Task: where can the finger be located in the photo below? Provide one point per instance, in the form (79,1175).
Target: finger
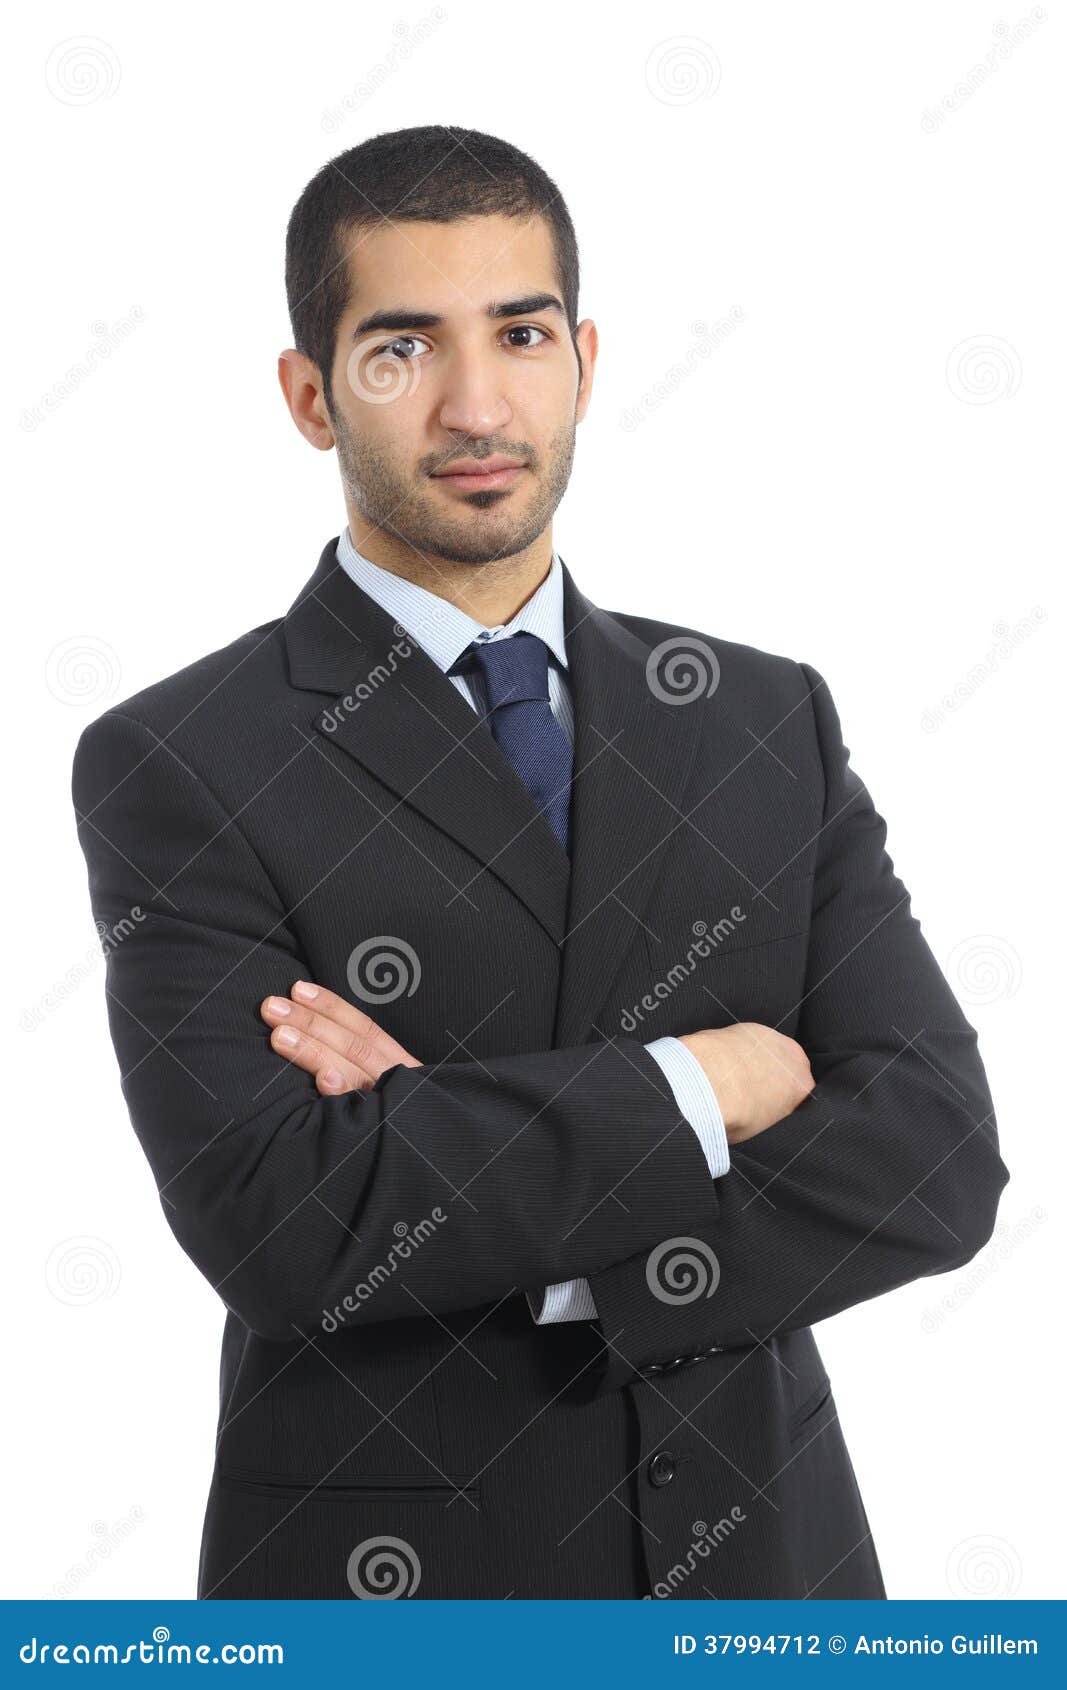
(333,1074)
(353,1020)
(370,1058)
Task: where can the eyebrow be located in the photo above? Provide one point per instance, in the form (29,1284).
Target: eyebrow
(399,317)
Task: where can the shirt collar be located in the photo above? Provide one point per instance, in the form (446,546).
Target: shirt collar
(441,628)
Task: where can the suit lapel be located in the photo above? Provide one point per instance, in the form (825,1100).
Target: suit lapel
(393,711)
(632,752)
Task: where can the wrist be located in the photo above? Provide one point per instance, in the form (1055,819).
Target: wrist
(725,1080)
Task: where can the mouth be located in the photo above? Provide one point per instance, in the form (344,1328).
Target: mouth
(466,475)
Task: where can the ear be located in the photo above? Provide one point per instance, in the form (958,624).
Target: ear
(301,383)
(586,338)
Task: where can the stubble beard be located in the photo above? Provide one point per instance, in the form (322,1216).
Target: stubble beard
(480,532)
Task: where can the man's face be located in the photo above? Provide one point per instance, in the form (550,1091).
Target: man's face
(450,352)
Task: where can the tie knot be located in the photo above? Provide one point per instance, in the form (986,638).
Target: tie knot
(515,669)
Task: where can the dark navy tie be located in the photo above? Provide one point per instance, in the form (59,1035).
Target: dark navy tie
(515,672)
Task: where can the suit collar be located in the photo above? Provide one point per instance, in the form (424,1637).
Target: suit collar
(322,638)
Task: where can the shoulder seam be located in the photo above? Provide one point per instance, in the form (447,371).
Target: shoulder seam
(231,821)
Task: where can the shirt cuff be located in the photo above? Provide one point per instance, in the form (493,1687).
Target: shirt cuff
(572,1299)
(696,1100)
(695,1097)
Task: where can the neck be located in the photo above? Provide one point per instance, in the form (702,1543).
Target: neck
(490,592)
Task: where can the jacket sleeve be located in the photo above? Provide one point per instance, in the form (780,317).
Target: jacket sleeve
(888,1171)
(443,1188)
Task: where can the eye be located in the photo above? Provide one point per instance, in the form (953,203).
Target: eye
(396,347)
(527,328)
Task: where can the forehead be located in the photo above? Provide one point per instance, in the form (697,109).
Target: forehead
(452,268)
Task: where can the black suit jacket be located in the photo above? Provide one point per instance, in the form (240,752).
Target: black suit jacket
(319,789)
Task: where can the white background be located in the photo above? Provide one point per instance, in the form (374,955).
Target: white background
(841,479)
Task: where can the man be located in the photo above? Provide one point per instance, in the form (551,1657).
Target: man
(526,1028)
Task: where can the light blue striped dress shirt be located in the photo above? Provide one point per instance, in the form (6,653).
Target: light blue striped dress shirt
(444,631)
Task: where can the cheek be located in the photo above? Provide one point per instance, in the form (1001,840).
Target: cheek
(553,445)
(382,448)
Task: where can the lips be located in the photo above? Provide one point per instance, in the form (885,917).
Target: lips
(470,475)
(469,467)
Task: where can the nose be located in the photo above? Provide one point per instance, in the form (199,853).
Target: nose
(473,402)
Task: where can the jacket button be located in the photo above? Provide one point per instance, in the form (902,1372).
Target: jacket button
(661,1468)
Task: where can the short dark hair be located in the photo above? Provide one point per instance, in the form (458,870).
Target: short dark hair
(433,174)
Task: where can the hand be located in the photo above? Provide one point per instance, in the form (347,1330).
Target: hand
(758,1075)
(345,1050)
